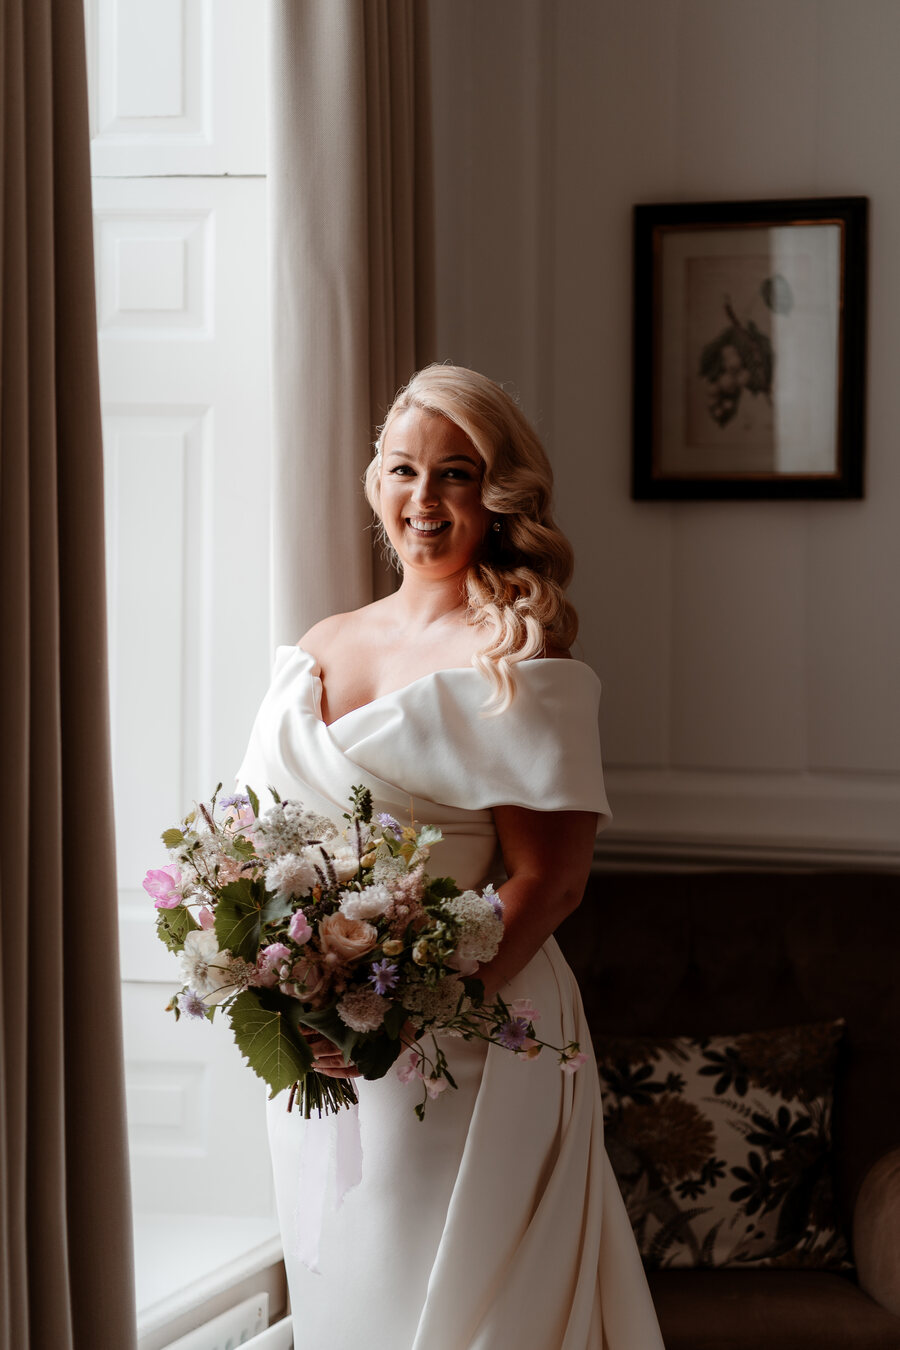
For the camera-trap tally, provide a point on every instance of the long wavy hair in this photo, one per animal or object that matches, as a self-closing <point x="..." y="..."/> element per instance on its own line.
<point x="516" y="586"/>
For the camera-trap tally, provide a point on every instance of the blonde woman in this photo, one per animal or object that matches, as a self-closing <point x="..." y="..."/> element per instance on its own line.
<point x="496" y="1221"/>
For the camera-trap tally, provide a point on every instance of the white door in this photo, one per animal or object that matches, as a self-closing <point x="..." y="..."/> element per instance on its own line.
<point x="178" y="155"/>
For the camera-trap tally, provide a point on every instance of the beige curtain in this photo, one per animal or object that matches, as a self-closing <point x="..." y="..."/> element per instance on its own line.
<point x="351" y="239"/>
<point x="66" y="1277"/>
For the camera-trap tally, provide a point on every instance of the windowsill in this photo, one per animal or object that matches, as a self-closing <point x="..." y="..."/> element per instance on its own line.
<point x="188" y="1268"/>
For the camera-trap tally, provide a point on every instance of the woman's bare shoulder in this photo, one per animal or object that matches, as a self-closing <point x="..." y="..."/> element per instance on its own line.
<point x="327" y="633"/>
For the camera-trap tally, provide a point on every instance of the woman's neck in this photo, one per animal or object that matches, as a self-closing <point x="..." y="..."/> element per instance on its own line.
<point x="421" y="601"/>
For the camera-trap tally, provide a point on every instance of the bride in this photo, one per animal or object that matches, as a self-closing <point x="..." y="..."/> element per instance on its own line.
<point x="495" y="1222"/>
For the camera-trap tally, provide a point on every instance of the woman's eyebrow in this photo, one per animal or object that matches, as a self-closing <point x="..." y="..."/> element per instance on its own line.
<point x="447" y="459"/>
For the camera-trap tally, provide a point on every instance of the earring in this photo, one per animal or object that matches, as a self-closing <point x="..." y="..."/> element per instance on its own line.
<point x="496" y="527"/>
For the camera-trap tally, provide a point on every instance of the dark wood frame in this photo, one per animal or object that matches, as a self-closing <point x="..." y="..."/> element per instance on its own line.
<point x="650" y="221"/>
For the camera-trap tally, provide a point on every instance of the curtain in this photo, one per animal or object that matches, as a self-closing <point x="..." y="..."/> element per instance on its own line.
<point x="351" y="249"/>
<point x="66" y="1276"/>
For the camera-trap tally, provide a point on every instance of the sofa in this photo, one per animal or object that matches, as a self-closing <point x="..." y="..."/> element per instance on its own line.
<point x="672" y="953"/>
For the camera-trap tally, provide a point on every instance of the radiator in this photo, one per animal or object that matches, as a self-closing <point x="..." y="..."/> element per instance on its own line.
<point x="243" y="1325"/>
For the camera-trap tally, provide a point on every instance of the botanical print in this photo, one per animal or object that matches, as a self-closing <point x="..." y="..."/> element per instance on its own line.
<point x="722" y="1146"/>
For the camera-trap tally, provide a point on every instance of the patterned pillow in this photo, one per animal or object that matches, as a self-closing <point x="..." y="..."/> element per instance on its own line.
<point x="722" y="1146"/>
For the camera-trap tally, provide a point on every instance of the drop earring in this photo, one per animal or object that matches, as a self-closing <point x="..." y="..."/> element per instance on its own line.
<point x="496" y="527"/>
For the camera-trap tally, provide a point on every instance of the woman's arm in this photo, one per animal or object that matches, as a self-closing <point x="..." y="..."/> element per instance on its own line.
<point x="547" y="856"/>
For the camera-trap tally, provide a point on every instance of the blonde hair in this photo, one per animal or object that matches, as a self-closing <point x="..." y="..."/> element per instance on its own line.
<point x="516" y="588"/>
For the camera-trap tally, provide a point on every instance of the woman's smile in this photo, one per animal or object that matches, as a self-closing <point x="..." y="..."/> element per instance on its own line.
<point x="430" y="493"/>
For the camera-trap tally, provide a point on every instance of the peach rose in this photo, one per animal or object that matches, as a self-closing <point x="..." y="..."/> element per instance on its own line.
<point x="307" y="982"/>
<point x="347" y="939"/>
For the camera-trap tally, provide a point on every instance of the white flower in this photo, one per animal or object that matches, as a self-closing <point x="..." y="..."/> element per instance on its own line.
<point x="368" y="903"/>
<point x="434" y="1002"/>
<point x="362" y="1010"/>
<point x="207" y="970"/>
<point x="291" y="875"/>
<point x="481" y="927"/>
<point x="346" y="861"/>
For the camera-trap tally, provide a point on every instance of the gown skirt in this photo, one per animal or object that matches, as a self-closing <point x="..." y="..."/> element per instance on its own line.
<point x="495" y="1223"/>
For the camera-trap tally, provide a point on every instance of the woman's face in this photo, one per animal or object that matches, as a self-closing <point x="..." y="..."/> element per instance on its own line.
<point x="431" y="493"/>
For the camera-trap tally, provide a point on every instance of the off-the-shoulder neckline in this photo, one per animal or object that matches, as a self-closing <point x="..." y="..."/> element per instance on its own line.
<point x="316" y="673"/>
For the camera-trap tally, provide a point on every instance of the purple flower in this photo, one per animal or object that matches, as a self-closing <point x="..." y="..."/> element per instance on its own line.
<point x="513" y="1034"/>
<point x="236" y="799"/>
<point x="496" y="903"/>
<point x="387" y="822"/>
<point x="383" y="975"/>
<point x="191" y="1004"/>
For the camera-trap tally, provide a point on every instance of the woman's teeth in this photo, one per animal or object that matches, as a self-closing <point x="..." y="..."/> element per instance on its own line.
<point x="427" y="526"/>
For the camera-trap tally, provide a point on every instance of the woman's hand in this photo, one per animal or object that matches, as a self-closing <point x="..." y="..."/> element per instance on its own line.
<point x="547" y="856"/>
<point x="327" y="1058"/>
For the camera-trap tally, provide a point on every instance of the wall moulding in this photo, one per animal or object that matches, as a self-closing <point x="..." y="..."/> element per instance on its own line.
<point x="810" y="820"/>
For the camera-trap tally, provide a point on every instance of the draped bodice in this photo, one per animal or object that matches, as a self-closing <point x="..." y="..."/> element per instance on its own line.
<point x="428" y="748"/>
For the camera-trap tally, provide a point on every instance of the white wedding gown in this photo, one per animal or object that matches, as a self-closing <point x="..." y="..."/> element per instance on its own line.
<point x="496" y="1223"/>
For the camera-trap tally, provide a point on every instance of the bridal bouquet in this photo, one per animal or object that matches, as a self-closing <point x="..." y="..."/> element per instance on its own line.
<point x="287" y="922"/>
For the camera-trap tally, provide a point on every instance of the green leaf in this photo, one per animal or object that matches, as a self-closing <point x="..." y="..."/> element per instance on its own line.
<point x="275" y="796"/>
<point x="327" y="1023"/>
<point x="173" y="926"/>
<point x="428" y="835"/>
<point x="243" y="846"/>
<point x="374" y="1058"/>
<point x="172" y="838"/>
<point x="474" y="990"/>
<point x="442" y="888"/>
<point x="276" y="909"/>
<point x="394" y="1019"/>
<point x="267" y="1043"/>
<point x="238" y="918"/>
<point x="254" y="800"/>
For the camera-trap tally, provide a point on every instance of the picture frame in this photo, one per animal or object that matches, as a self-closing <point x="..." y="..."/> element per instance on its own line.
<point x="749" y="349"/>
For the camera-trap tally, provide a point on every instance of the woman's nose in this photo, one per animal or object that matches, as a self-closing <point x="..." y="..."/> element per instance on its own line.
<point x="425" y="490"/>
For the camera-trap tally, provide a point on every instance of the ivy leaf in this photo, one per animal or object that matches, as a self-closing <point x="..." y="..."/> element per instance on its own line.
<point x="173" y="926"/>
<point x="238" y="919"/>
<point x="254" y="800"/>
<point x="267" y="1043"/>
<point x="172" y="838"/>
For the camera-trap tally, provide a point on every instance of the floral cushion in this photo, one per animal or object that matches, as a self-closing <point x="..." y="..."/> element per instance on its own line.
<point x="722" y="1145"/>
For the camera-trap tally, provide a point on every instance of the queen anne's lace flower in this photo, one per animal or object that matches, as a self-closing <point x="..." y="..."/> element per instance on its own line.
<point x="482" y="929"/>
<point x="362" y="1010"/>
<point x="433" y="1002"/>
<point x="287" y="826"/>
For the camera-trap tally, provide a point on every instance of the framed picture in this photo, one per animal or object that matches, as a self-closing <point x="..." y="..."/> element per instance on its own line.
<point x="749" y="348"/>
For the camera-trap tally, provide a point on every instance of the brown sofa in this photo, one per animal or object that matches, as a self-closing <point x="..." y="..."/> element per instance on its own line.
<point x="701" y="953"/>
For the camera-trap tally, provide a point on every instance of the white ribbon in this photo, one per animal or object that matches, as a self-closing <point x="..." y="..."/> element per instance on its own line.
<point x="334" y="1136"/>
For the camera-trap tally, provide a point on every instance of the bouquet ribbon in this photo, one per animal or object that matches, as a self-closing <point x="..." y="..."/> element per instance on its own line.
<point x="338" y="1134"/>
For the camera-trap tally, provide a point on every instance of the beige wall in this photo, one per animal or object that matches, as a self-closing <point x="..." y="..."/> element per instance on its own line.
<point x="750" y="652"/>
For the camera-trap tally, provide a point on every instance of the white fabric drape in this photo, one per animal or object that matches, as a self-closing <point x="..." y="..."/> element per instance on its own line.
<point x="350" y="239"/>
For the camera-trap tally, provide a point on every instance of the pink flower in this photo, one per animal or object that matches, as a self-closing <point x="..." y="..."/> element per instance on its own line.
<point x="408" y="1068"/>
<point x="206" y="918"/>
<point x="524" y="1008"/>
<point x="435" y="1086"/>
<point x="298" y="929"/>
<point x="347" y="939"/>
<point x="572" y="1061"/>
<point x="268" y="962"/>
<point x="164" y="883"/>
